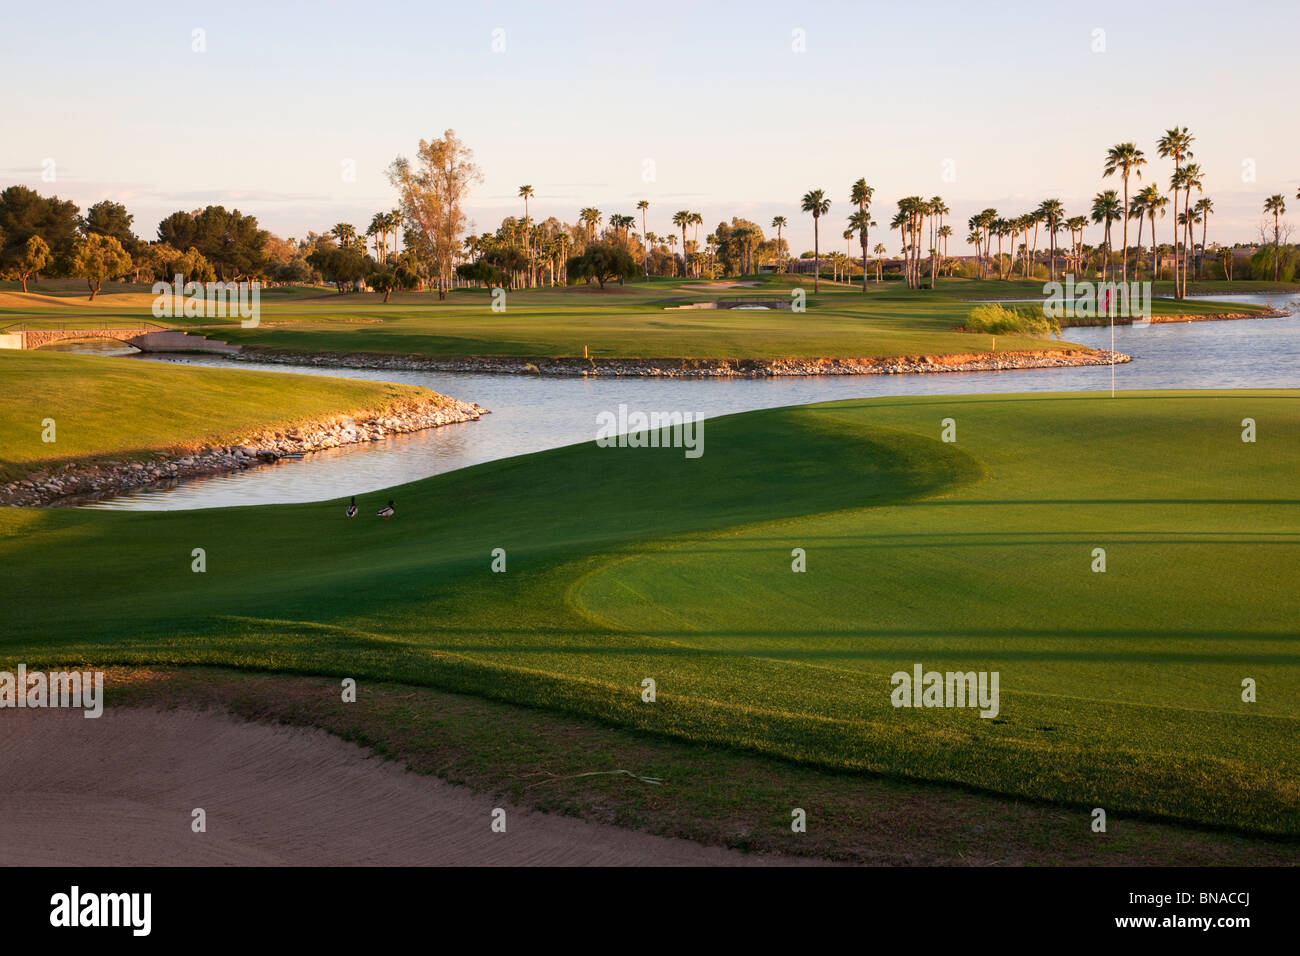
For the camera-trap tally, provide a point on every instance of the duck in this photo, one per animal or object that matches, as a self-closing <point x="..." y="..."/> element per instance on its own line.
<point x="387" y="511"/>
<point x="352" y="508"/>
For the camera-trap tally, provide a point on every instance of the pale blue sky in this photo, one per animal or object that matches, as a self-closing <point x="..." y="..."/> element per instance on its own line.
<point x="735" y="121"/>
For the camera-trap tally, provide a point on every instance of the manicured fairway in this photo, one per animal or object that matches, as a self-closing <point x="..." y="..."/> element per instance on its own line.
<point x="1120" y="690"/>
<point x="629" y="321"/>
<point x="107" y="406"/>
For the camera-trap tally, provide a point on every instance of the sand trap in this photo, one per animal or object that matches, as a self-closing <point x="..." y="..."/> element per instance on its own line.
<point x="727" y="285"/>
<point x="119" y="791"/>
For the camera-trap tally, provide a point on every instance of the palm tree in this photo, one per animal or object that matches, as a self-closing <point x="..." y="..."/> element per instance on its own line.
<point x="1001" y="228"/>
<point x="1106" y="209"/>
<point x="526" y="193"/>
<point x="378" y="230"/>
<point x="1076" y="225"/>
<point x="642" y="206"/>
<point x="1204" y="206"/>
<point x="1276" y="205"/>
<point x="1023" y="222"/>
<point x="682" y="219"/>
<point x="938" y="209"/>
<point x="395" y="221"/>
<point x="590" y="217"/>
<point x="697" y="220"/>
<point x="1176" y="144"/>
<point x="1052" y="212"/>
<point x="1137" y="209"/>
<point x="1191" y="180"/>
<point x="1126" y="158"/>
<point x="1155" y="203"/>
<point x="860" y="195"/>
<point x="778" y="223"/>
<point x="1189" y="219"/>
<point x="879" y="251"/>
<point x="814" y="201"/>
<point x="945" y="233"/>
<point x="345" y="233"/>
<point x="900" y="222"/>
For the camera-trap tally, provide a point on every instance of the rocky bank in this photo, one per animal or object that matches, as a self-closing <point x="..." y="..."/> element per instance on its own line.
<point x="75" y="482"/>
<point x="696" y="368"/>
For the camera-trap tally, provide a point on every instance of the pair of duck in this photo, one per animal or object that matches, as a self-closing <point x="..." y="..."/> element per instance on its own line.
<point x="385" y="512"/>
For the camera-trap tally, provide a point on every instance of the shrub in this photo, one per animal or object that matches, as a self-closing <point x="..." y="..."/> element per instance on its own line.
<point x="996" y="319"/>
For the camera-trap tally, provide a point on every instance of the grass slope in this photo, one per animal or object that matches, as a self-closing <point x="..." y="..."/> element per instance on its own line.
<point x="1119" y="690"/>
<point x="104" y="406"/>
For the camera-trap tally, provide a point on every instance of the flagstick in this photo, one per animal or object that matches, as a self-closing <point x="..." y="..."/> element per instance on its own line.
<point x="1112" y="355"/>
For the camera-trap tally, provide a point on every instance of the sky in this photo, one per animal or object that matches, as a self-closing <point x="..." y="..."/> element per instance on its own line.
<point x="728" y="109"/>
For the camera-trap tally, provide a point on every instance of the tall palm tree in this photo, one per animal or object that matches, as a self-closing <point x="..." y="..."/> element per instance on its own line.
<point x="860" y="195"/>
<point x="345" y="233"/>
<point x="1076" y="225"/>
<point x="590" y="217"/>
<point x="1023" y="222"/>
<point x="900" y="222"/>
<point x="1204" y="206"/>
<point x="1052" y="213"/>
<point x="814" y="201"/>
<point x="1106" y="209"/>
<point x="697" y="220"/>
<point x="526" y="193"/>
<point x="1137" y="209"/>
<point x="1001" y="229"/>
<point x="1157" y="204"/>
<point x="682" y="219"/>
<point x="1127" y="159"/>
<point x="879" y="252"/>
<point x="945" y="233"/>
<point x="378" y="230"/>
<point x="1191" y="180"/>
<point x="642" y="206"/>
<point x="1176" y="144"/>
<point x="778" y="223"/>
<point x="938" y="209"/>
<point x="395" y="221"/>
<point x="1276" y="205"/>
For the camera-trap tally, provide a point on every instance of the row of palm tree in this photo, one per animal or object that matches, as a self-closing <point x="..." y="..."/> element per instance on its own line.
<point x="924" y="234"/>
<point x="921" y="227"/>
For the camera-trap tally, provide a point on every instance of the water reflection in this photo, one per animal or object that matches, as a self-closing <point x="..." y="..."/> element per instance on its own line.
<point x="530" y="414"/>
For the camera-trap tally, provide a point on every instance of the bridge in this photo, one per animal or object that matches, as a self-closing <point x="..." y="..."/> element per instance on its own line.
<point x="145" y="336"/>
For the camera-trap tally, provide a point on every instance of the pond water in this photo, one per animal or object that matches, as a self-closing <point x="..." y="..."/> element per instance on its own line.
<point x="531" y="414"/>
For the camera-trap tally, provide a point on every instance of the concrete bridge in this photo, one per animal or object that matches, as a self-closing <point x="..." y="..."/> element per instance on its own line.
<point x="146" y="336"/>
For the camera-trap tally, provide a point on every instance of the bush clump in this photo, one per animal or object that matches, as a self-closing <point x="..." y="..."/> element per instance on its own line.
<point x="996" y="319"/>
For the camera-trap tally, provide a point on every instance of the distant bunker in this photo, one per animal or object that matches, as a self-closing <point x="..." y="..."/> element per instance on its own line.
<point x="736" y="303"/>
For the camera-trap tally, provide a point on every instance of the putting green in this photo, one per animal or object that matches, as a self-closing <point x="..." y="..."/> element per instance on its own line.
<point x="1120" y="689"/>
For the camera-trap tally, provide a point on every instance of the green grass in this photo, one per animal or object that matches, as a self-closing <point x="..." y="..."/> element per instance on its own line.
<point x="622" y="321"/>
<point x="105" y="406"/>
<point x="1119" y="690"/>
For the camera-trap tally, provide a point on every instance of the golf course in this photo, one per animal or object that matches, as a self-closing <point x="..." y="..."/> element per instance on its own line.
<point x="639" y="320"/>
<point x="1120" y="689"/>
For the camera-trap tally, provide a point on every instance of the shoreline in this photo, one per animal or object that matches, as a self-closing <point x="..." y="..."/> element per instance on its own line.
<point x="76" y="482"/>
<point x="1166" y="319"/>
<point x="694" y="368"/>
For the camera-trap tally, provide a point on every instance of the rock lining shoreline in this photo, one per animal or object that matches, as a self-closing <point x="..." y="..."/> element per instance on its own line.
<point x="694" y="368"/>
<point x="77" y="482"/>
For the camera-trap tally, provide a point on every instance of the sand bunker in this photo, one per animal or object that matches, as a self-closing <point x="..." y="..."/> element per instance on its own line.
<point x="120" y="790"/>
